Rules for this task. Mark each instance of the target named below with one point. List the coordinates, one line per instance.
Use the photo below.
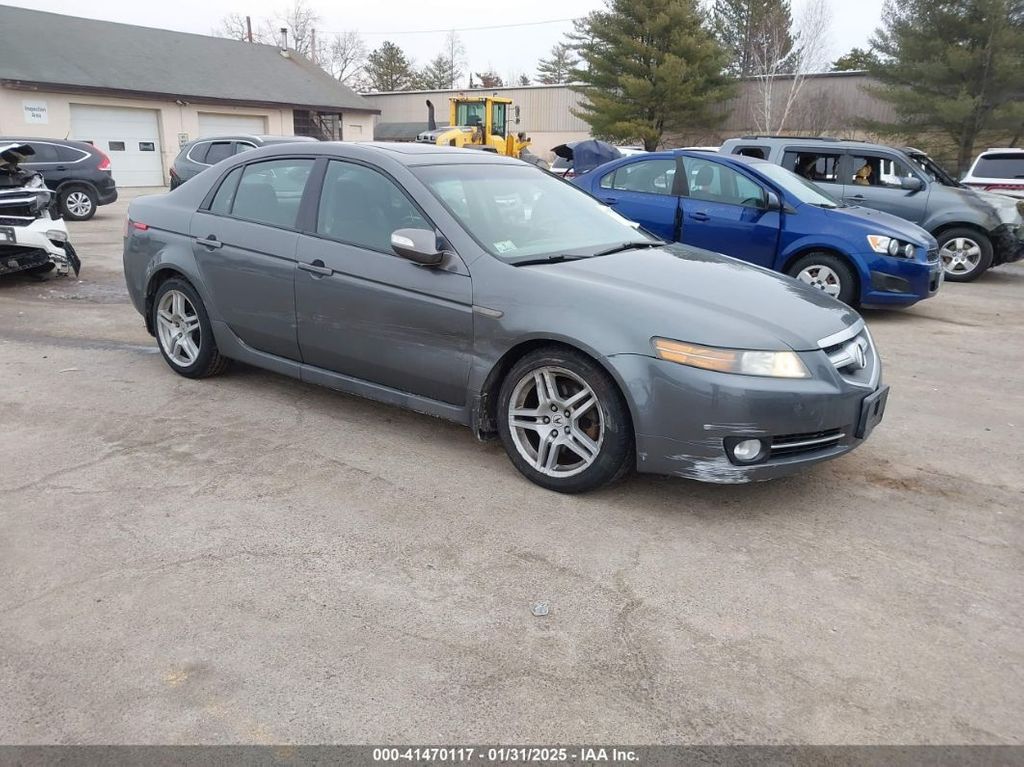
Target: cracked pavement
(250, 559)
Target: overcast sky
(507, 50)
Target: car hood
(878, 222)
(693, 295)
(985, 203)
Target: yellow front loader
(477, 122)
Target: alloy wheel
(178, 328)
(823, 278)
(961, 255)
(78, 204)
(556, 421)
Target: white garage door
(130, 137)
(211, 124)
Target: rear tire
(828, 273)
(183, 331)
(564, 423)
(78, 203)
(965, 254)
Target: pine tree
(650, 66)
(857, 59)
(388, 69)
(489, 79)
(753, 31)
(438, 74)
(955, 67)
(558, 68)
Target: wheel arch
(75, 183)
(159, 277)
(484, 415)
(976, 228)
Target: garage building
(138, 93)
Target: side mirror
(417, 245)
(911, 183)
(773, 202)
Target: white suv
(998, 170)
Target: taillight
(104, 162)
(130, 225)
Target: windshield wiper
(630, 246)
(554, 258)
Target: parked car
(564, 164)
(998, 170)
(196, 156)
(758, 212)
(75, 171)
(477, 288)
(975, 230)
(31, 239)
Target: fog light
(746, 451)
(57, 235)
(908, 251)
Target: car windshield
(804, 190)
(519, 212)
(932, 169)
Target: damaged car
(33, 239)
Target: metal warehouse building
(138, 94)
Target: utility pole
(312, 47)
(248, 28)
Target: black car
(78, 173)
(196, 156)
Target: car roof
(811, 140)
(85, 145)
(403, 153)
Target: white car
(998, 170)
(31, 238)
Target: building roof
(71, 53)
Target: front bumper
(683, 417)
(1007, 244)
(29, 248)
(900, 282)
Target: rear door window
(70, 154)
(270, 192)
(647, 176)
(198, 152)
(225, 196)
(1005, 165)
(219, 150)
(819, 167)
(43, 153)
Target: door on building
(213, 124)
(130, 137)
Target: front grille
(796, 444)
(933, 255)
(852, 353)
(16, 220)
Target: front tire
(183, 331)
(965, 254)
(78, 203)
(829, 274)
(564, 423)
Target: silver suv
(975, 229)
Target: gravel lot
(250, 559)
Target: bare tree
(347, 58)
(455, 52)
(234, 27)
(301, 21)
(781, 69)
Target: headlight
(57, 235)
(743, 362)
(890, 246)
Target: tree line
(952, 71)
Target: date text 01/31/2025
(502, 754)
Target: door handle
(317, 267)
(855, 197)
(60, 167)
(210, 241)
(700, 216)
(611, 200)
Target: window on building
(115, 146)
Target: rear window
(1006, 165)
(70, 154)
(760, 152)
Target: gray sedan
(483, 290)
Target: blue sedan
(761, 213)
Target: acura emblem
(857, 353)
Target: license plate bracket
(872, 409)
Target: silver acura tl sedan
(486, 291)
